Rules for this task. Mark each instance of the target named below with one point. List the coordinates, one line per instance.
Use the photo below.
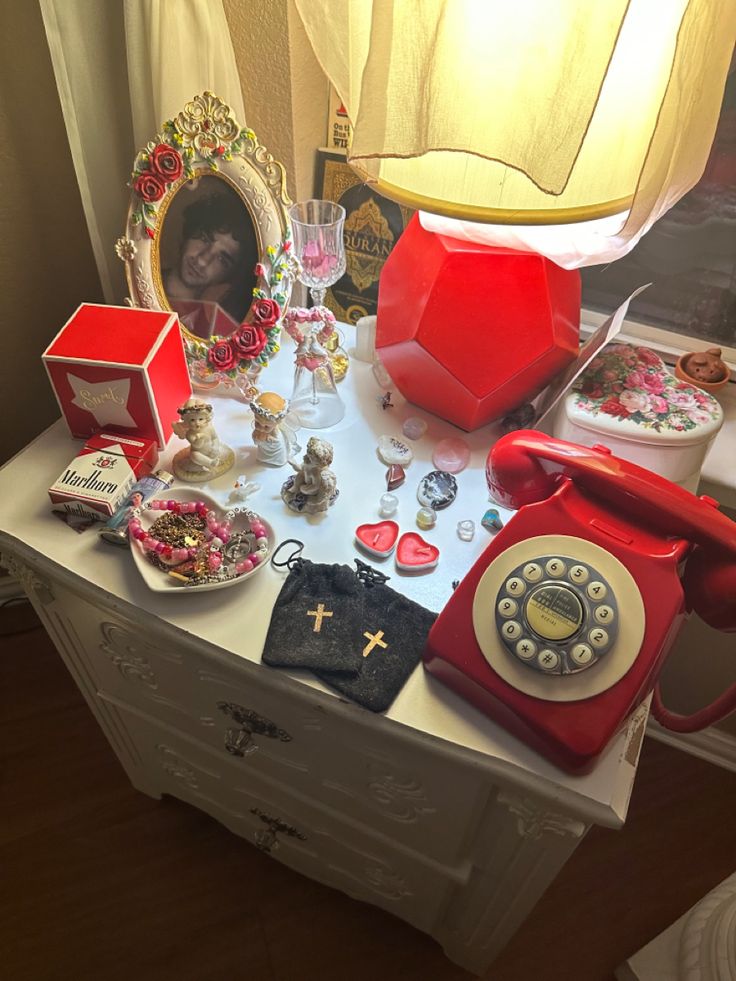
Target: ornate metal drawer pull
(268, 840)
(239, 742)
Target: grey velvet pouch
(393, 631)
(316, 620)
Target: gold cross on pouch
(318, 615)
(374, 640)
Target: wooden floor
(99, 882)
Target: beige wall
(46, 263)
(284, 90)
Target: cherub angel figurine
(313, 488)
(273, 429)
(206, 457)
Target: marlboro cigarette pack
(96, 481)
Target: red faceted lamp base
(470, 331)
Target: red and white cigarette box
(120, 369)
(98, 479)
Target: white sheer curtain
(122, 68)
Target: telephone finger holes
(532, 572)
(507, 607)
(515, 586)
(548, 660)
(526, 649)
(581, 655)
(551, 616)
(598, 638)
(603, 614)
(556, 567)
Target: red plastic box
(119, 369)
(470, 331)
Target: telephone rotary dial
(557, 615)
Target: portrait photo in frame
(208, 250)
(208, 237)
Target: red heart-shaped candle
(413, 554)
(378, 539)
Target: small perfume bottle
(335, 347)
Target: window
(689, 256)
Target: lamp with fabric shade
(561, 128)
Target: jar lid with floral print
(628, 391)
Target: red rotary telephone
(562, 625)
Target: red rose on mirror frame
(221, 356)
(166, 162)
(150, 187)
(265, 312)
(249, 341)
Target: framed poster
(373, 225)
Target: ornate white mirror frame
(208, 236)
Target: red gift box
(98, 479)
(119, 369)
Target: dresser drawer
(294, 831)
(291, 735)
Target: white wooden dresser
(430, 811)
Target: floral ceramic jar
(628, 400)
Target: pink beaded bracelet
(220, 542)
(297, 316)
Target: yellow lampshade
(529, 112)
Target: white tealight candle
(365, 339)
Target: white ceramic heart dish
(159, 581)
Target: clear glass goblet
(318, 231)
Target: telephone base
(572, 761)
(570, 732)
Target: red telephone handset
(562, 625)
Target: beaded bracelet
(296, 317)
(207, 548)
